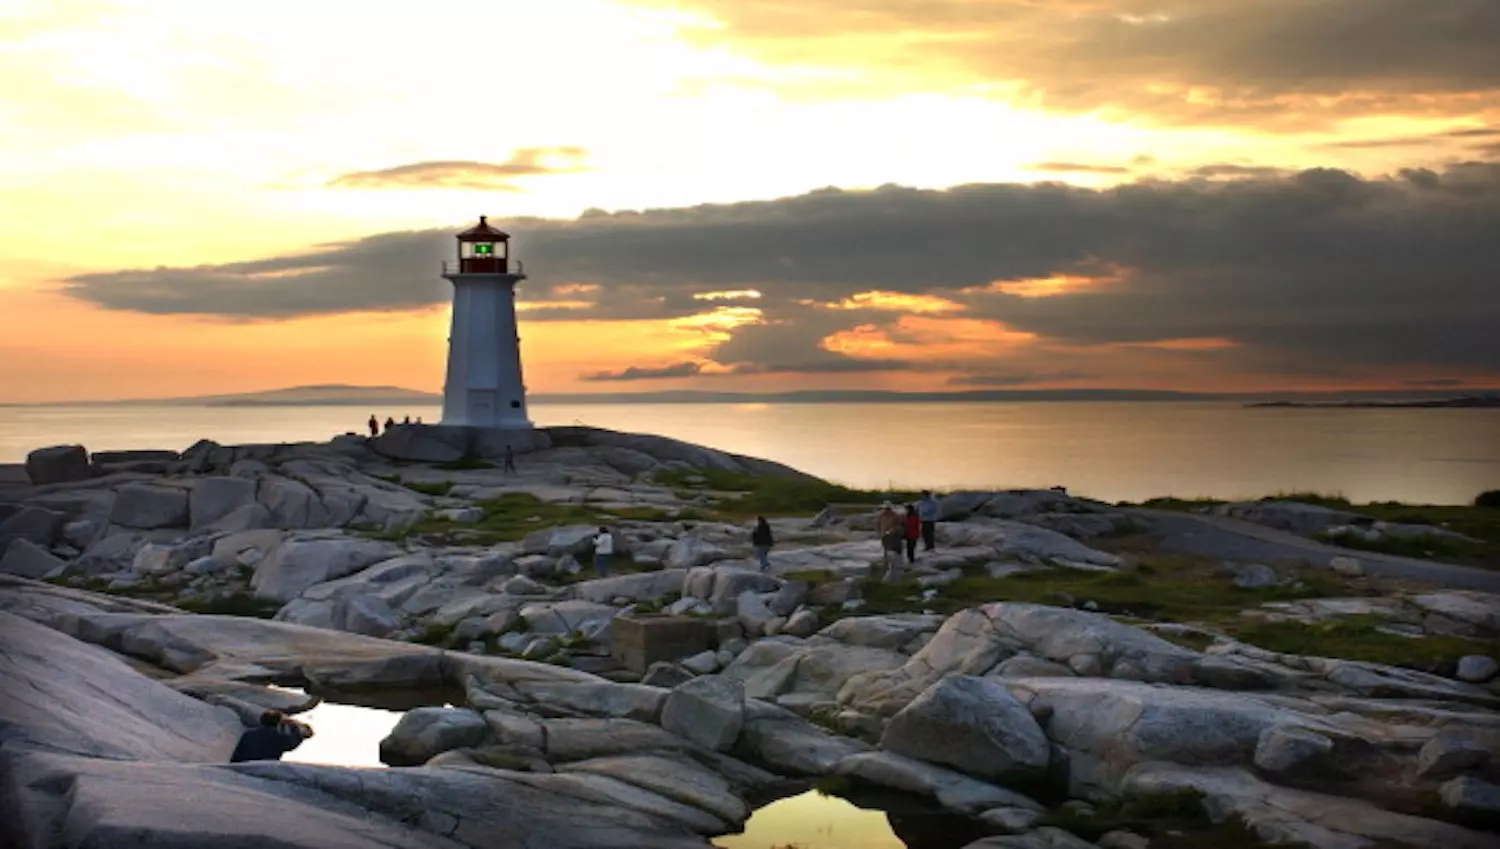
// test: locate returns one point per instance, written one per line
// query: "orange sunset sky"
(1216, 195)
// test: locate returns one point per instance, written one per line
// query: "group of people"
(899, 531)
(374, 423)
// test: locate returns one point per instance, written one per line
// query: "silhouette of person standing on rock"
(374, 426)
(510, 461)
(762, 540)
(389, 422)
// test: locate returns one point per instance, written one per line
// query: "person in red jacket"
(913, 532)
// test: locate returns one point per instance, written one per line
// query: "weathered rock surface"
(427, 732)
(709, 711)
(973, 725)
(58, 464)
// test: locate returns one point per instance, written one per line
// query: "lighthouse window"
(515, 405)
(484, 250)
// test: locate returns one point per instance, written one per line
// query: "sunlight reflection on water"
(814, 821)
(345, 735)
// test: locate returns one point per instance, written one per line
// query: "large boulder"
(643, 586)
(36, 524)
(147, 507)
(556, 542)
(426, 732)
(709, 711)
(29, 560)
(58, 464)
(298, 564)
(67, 696)
(974, 725)
(882, 632)
(1108, 727)
(216, 497)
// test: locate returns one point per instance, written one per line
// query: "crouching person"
(276, 736)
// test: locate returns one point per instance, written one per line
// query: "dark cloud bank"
(1309, 273)
(1247, 60)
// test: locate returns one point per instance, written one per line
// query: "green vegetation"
(1425, 546)
(1480, 520)
(1359, 638)
(235, 604)
(436, 635)
(513, 515)
(1181, 590)
(465, 463)
(438, 488)
(745, 496)
(1164, 589)
(1176, 820)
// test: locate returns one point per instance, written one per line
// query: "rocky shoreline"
(148, 598)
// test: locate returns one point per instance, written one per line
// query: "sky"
(1215, 195)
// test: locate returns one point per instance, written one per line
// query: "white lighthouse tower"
(484, 386)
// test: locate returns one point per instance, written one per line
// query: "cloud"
(465, 174)
(1076, 168)
(683, 369)
(1315, 272)
(1264, 61)
(1225, 169)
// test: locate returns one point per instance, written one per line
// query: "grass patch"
(765, 495)
(513, 515)
(1480, 520)
(1164, 589)
(465, 463)
(1359, 638)
(438, 488)
(236, 604)
(435, 634)
(1424, 546)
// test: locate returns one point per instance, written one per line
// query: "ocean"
(1116, 451)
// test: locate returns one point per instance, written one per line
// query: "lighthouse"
(484, 386)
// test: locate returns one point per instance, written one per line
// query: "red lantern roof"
(483, 232)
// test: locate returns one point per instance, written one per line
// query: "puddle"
(813, 820)
(350, 726)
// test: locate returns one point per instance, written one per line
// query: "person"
(762, 540)
(389, 422)
(406, 421)
(604, 550)
(890, 527)
(275, 736)
(913, 528)
(510, 460)
(927, 511)
(374, 426)
(419, 419)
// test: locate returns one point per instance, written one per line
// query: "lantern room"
(483, 249)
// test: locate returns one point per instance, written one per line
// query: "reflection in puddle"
(350, 734)
(813, 820)
(349, 731)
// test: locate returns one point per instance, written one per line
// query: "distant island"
(1469, 402)
(385, 397)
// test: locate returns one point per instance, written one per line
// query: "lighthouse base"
(450, 443)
